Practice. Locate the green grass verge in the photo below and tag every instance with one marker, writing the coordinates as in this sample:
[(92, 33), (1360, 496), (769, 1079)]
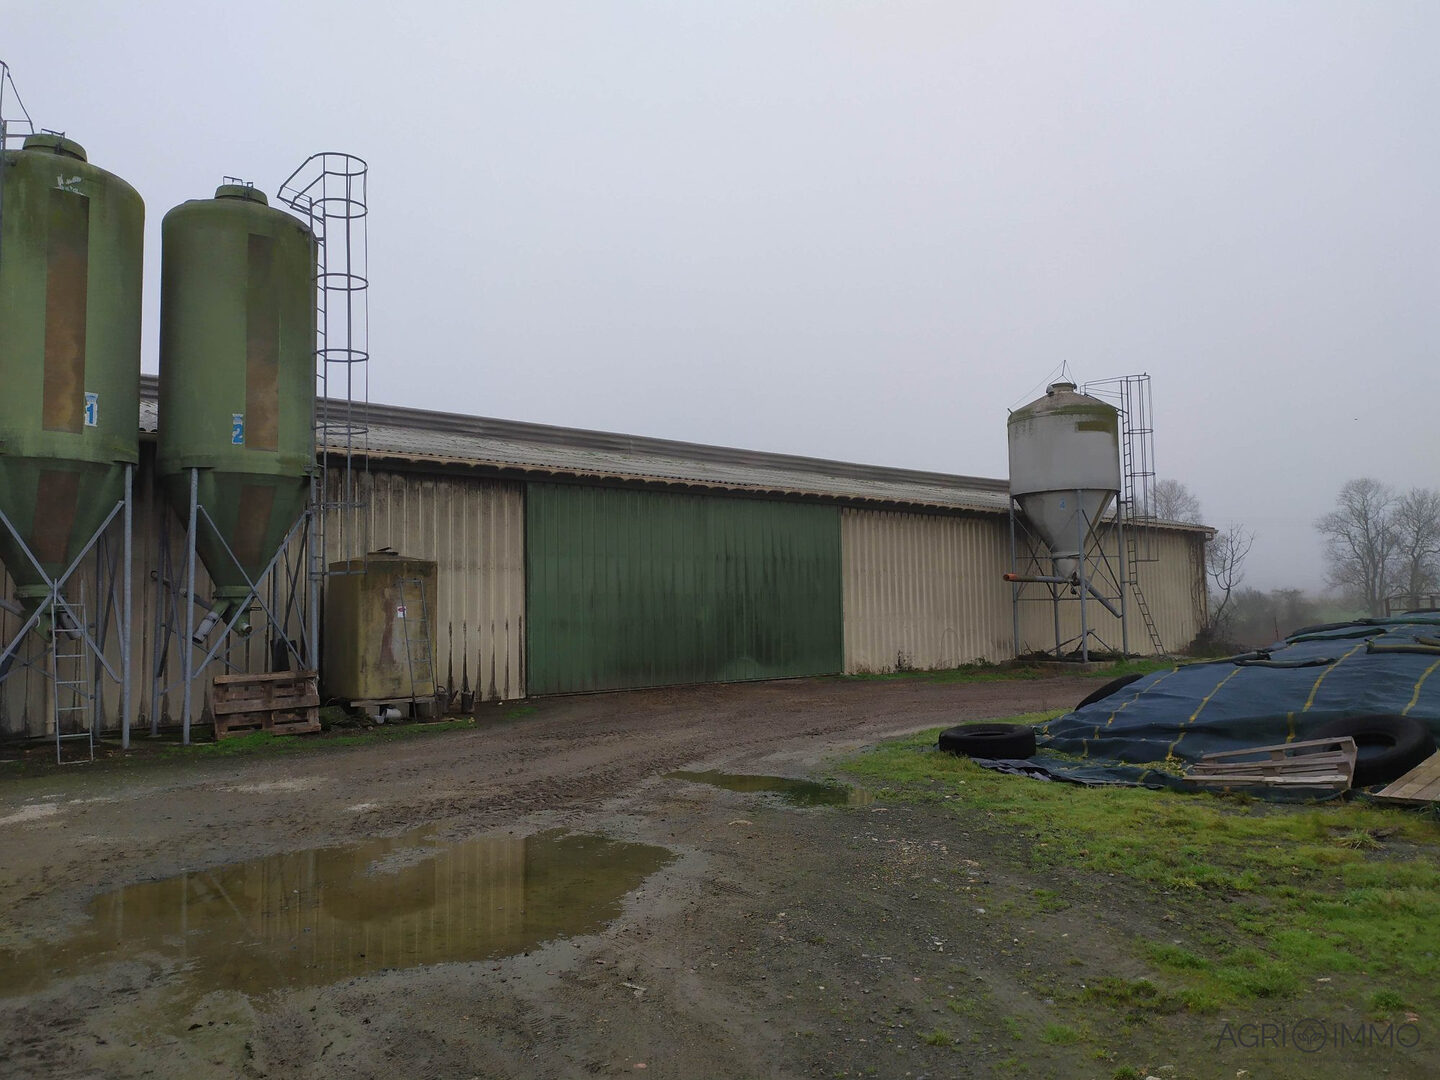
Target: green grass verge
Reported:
[(983, 672), (168, 749), (262, 742), (1273, 898)]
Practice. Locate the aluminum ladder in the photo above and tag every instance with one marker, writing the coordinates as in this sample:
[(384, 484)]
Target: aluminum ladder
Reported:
[(418, 657), (1132, 553), (70, 656)]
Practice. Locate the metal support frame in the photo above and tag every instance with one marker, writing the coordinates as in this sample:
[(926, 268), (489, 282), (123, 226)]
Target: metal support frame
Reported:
[(198, 517), (109, 604), (1098, 577)]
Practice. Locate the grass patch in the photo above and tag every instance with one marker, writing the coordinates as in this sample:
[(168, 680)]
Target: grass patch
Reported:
[(1135, 997), (167, 749), (1384, 1002), (1177, 959), (967, 673), (939, 1038), (1048, 900), (262, 742), (1128, 667), (982, 671), (1059, 1035), (1271, 897)]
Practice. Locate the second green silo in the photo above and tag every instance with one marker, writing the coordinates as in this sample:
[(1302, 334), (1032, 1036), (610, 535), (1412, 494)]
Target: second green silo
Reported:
[(237, 376)]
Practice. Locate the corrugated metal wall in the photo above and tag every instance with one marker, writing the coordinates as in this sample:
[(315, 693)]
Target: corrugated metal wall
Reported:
[(1174, 588), (924, 591), (641, 588), (474, 529)]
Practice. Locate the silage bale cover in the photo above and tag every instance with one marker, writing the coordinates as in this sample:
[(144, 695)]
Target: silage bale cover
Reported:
[(1280, 694)]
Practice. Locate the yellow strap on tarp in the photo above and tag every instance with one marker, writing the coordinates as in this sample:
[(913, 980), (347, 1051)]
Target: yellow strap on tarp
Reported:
[(1415, 697), (1170, 753)]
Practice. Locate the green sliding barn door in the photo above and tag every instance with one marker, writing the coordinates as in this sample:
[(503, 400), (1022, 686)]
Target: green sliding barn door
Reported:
[(630, 588)]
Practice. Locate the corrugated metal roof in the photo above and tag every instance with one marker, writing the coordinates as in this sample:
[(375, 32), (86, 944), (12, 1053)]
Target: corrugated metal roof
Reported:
[(738, 470), (424, 437), (421, 437)]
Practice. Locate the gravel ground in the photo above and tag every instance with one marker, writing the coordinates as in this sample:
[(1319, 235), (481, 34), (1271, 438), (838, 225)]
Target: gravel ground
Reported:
[(877, 939)]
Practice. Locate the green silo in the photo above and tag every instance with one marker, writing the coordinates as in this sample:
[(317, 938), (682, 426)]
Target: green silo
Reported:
[(237, 376), (71, 245)]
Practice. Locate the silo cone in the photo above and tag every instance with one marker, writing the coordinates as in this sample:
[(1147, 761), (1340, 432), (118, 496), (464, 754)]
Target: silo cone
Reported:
[(237, 378), (1064, 468), (71, 244)]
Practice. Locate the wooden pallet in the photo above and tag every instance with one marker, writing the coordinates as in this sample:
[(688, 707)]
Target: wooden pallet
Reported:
[(281, 702), (1420, 785), (1318, 763)]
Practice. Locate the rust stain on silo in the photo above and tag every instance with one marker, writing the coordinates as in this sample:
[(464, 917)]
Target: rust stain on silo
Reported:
[(57, 499), (67, 284), (252, 523), (262, 346)]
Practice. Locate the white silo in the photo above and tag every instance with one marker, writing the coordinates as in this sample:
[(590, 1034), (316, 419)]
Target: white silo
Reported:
[(1064, 469)]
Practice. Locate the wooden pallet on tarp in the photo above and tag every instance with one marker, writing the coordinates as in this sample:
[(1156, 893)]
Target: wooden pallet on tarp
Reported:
[(1418, 786), (280, 702), (1317, 763)]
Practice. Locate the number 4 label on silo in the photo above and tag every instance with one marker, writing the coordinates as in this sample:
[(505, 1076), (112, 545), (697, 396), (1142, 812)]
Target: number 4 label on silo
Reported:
[(92, 409), (237, 429)]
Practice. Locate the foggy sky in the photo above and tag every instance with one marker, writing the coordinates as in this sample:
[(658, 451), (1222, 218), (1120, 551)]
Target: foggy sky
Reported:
[(858, 230)]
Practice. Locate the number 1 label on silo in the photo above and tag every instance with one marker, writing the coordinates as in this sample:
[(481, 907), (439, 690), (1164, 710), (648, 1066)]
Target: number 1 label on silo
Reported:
[(237, 429), (92, 409)]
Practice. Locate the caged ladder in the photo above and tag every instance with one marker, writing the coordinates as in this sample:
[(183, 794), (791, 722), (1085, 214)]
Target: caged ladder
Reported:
[(73, 695), (418, 657)]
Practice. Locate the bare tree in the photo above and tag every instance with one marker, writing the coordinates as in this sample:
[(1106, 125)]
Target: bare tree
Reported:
[(1170, 500), (1417, 542), (1225, 556), (1360, 542)]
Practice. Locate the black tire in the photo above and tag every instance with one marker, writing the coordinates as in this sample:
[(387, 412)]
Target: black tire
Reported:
[(989, 740), (1108, 689), (1389, 745)]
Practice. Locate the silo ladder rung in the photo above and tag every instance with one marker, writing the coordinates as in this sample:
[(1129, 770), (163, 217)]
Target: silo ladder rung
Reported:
[(65, 652)]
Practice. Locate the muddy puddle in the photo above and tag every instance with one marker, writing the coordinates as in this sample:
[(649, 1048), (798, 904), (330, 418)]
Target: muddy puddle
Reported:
[(795, 792), (310, 918)]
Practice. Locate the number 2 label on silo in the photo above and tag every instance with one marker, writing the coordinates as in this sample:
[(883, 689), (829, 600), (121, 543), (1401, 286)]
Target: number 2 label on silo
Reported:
[(92, 409), (237, 429)]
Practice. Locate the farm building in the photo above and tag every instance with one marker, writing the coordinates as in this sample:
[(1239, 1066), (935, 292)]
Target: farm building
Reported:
[(238, 529), (573, 560)]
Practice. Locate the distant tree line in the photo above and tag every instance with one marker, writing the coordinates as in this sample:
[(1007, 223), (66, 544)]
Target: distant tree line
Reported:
[(1382, 547), (1256, 618), (1382, 555)]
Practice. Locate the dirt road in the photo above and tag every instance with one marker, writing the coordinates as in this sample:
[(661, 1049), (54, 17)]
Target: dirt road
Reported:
[(763, 939)]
